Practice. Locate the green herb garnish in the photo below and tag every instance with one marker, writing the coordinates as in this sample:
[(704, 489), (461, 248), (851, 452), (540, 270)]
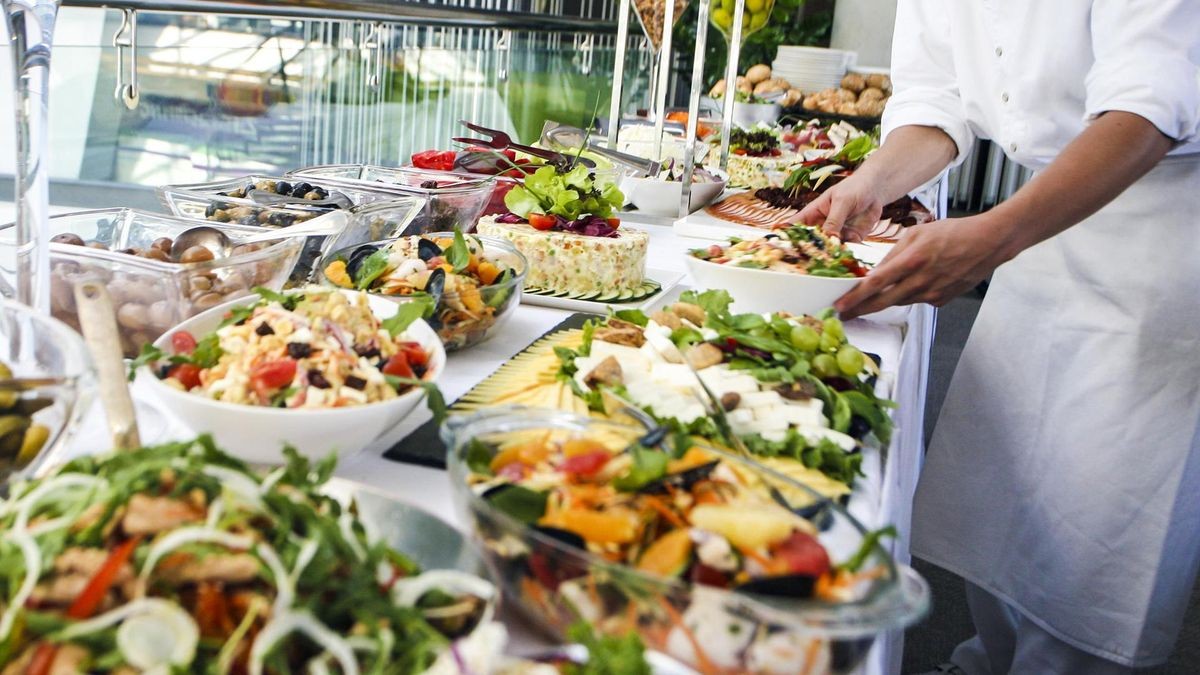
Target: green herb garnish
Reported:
[(459, 254), (869, 543), (371, 269), (419, 306)]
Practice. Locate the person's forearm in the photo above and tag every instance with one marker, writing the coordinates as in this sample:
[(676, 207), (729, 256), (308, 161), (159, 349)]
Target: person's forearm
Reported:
[(1114, 151), (910, 157)]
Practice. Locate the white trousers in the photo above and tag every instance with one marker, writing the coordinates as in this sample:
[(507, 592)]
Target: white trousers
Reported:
[(1008, 642)]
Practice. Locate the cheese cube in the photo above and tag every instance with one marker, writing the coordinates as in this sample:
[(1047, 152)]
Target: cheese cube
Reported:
[(663, 345), (761, 399)]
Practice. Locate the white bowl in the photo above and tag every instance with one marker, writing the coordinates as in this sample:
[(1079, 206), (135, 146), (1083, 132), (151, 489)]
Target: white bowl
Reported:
[(746, 115), (762, 291), (657, 197), (257, 434)]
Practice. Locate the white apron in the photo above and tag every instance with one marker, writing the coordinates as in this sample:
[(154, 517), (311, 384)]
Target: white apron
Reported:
[(1064, 473)]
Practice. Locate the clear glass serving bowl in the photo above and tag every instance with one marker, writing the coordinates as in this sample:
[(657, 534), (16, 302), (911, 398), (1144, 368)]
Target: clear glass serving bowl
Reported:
[(152, 295), (451, 199), (460, 321), (552, 582), (43, 417), (373, 213)]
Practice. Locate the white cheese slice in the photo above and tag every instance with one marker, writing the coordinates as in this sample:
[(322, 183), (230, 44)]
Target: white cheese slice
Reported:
[(814, 435), (624, 354), (662, 344), (761, 399)]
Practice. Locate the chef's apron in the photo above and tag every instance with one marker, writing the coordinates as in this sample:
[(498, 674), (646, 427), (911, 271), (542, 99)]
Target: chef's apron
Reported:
[(1064, 473)]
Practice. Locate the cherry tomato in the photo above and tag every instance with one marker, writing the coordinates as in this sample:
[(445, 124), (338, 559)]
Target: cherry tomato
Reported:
[(187, 374), (414, 353), (614, 223), (803, 555), (542, 221), (586, 464), (398, 366), (182, 342), (854, 268), (273, 374)]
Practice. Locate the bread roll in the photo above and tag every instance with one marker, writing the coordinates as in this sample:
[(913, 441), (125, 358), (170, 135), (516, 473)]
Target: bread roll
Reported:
[(718, 89), (768, 87), (758, 73), (810, 102), (744, 86), (880, 81), (870, 94), (791, 98), (846, 96), (871, 107), (854, 82)]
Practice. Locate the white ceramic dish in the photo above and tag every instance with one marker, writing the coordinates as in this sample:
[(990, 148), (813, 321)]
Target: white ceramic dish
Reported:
[(747, 115), (257, 435), (658, 197), (766, 291)]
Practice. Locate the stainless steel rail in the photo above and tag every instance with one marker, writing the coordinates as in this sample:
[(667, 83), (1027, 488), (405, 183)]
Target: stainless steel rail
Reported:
[(399, 11)]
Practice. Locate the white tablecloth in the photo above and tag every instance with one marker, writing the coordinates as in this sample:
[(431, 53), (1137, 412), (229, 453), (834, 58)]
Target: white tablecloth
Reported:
[(902, 339)]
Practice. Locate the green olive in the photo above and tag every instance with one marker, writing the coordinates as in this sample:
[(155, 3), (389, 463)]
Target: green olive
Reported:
[(722, 18), (34, 440)]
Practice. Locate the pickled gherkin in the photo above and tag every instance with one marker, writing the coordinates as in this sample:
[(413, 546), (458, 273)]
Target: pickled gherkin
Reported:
[(21, 439)]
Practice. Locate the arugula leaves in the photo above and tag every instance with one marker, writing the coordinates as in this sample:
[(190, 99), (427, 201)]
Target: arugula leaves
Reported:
[(608, 655), (419, 306), (521, 503), (868, 545), (208, 351), (371, 269), (648, 466), (459, 254)]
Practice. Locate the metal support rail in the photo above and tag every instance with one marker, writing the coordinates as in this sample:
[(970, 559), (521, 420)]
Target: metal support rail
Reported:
[(400, 11)]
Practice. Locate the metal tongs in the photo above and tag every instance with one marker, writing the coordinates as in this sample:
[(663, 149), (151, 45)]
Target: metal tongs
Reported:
[(499, 140), (574, 138)]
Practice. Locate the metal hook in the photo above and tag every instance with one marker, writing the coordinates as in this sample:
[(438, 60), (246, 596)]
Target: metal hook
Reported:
[(503, 54), (373, 53), (125, 40)]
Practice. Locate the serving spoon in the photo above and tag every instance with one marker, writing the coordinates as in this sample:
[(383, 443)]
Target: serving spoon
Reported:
[(222, 246)]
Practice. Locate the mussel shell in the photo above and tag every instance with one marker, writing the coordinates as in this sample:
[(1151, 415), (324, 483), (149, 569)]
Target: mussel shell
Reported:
[(654, 438), (798, 586), (436, 283), (563, 536), (356, 258), (683, 480), (427, 249)]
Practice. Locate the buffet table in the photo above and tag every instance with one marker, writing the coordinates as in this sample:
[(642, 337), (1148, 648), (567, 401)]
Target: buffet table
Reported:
[(901, 337)]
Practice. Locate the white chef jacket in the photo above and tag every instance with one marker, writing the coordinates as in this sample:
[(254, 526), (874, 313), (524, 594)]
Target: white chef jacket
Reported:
[(1029, 74), (1062, 473)]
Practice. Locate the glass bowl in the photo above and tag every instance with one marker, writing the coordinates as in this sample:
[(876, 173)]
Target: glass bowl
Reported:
[(461, 319), (754, 17), (373, 213), (451, 199), (39, 421), (152, 295), (713, 628)]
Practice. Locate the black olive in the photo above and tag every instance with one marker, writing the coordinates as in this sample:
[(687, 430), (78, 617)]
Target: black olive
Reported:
[(300, 189), (283, 188), (316, 379), (164, 371), (429, 184), (248, 189), (210, 210), (366, 351), (355, 382), (782, 586), (299, 350), (419, 371), (264, 329), (280, 218), (318, 193), (249, 219)]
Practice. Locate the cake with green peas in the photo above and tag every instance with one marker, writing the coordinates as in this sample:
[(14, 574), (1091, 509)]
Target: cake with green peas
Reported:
[(562, 220)]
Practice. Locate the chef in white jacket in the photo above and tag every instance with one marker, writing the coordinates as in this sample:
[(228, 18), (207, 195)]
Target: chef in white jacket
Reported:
[(1063, 481)]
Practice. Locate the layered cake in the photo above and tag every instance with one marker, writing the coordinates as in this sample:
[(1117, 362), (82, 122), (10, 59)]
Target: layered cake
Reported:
[(562, 261)]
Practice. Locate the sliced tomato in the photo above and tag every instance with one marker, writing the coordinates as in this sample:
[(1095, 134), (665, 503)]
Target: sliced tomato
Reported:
[(854, 267), (397, 366), (587, 464), (182, 342), (614, 223), (542, 221), (98, 586), (188, 375), (439, 160), (273, 374), (803, 555)]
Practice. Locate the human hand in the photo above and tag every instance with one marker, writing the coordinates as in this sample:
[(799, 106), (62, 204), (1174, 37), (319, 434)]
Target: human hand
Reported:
[(848, 210), (934, 263)]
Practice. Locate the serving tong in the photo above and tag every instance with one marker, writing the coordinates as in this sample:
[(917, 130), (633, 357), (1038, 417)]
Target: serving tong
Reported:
[(499, 140)]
